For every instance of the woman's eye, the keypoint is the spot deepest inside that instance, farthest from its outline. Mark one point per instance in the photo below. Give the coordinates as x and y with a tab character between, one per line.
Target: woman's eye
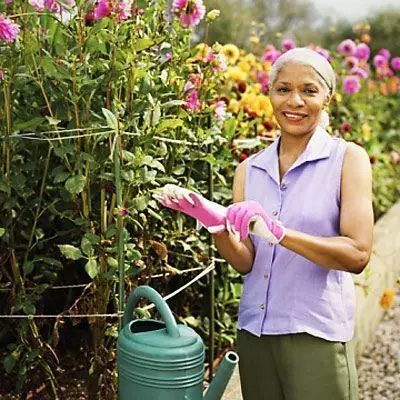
283	90
311	91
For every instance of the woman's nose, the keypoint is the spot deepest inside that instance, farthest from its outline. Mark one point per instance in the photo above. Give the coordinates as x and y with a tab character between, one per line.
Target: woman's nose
295	99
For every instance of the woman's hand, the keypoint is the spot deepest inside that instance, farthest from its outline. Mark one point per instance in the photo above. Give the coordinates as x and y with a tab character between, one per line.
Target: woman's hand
249	215
208	213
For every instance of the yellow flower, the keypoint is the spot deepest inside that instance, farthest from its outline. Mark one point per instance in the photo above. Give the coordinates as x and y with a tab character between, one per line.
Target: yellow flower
251	59
260	104
387	298
366	131
254	39
265	105
236	74
338	97
233	106
231	53
245	66
202	51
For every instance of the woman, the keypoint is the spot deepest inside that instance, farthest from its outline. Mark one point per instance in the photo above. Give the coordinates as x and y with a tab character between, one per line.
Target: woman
313	195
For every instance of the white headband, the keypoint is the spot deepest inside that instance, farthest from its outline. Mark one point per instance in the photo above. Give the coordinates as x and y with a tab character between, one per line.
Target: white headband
307	57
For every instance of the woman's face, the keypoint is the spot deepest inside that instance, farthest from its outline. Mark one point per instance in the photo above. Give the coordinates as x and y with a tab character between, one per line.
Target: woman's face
298	96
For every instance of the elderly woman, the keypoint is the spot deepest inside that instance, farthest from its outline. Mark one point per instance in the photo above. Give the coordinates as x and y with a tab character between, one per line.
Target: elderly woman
307	202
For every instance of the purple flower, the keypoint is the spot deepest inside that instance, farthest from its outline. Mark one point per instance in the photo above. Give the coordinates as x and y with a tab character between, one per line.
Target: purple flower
396	63
190	12
363	52
8	29
188	85
124	9
351	84
351	64
380	61
385	53
123	212
287	45
347	48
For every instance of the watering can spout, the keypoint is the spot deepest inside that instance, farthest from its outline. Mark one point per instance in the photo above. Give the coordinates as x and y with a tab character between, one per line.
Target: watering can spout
222	376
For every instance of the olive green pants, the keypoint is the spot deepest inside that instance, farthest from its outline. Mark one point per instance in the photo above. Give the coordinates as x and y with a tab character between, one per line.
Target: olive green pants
296	367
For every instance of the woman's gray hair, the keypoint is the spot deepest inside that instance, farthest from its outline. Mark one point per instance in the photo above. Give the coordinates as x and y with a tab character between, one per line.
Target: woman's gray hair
314	60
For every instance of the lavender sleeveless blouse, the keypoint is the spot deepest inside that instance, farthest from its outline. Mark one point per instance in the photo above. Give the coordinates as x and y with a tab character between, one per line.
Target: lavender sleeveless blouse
284	292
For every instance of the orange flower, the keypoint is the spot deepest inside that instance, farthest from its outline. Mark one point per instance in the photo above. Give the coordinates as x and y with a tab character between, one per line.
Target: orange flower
387	298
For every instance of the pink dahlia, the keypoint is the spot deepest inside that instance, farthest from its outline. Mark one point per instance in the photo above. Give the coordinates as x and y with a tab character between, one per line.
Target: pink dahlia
363	52
385	53
347	48
396	63
362	73
323	52
271	55
288	44
124	10
380	61
351	84
351	64
8	29
190	12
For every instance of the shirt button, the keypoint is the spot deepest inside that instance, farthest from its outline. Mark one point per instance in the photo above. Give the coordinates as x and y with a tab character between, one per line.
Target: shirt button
270	244
275	213
284	186
266	276
262	306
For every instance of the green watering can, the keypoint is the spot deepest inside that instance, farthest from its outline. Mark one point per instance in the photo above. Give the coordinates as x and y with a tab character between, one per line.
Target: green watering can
163	360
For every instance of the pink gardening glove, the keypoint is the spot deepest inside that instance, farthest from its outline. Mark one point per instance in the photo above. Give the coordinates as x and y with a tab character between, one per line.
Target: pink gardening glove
249	215
208	213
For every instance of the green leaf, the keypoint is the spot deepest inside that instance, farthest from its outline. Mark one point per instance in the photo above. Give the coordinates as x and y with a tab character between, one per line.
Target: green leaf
156	115
2	232
60	176
70	252
9	363
75	184
92	268
61	151
143	44
172	123
173	103
111	119
28	267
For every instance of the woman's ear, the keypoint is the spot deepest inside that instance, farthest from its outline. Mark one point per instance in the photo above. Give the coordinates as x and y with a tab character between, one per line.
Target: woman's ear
327	100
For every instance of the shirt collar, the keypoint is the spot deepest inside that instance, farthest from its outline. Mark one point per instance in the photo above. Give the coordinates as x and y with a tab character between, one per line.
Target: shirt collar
318	147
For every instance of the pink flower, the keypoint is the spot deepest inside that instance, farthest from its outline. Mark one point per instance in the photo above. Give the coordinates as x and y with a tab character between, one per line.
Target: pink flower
220	110
190	12
103	9
288	44
351	84
188	85
37	4
396	63
362	73
380	61
193	101
384	72
351	64
2	77
347	48
363	52
219	62
123	9
385	53
271	55
324	53
51	5
8	29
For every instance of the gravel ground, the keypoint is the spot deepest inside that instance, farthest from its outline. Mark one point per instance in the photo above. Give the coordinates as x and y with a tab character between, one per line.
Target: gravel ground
379	366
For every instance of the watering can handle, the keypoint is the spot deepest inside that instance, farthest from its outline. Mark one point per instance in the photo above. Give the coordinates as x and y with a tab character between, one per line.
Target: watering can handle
159	302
